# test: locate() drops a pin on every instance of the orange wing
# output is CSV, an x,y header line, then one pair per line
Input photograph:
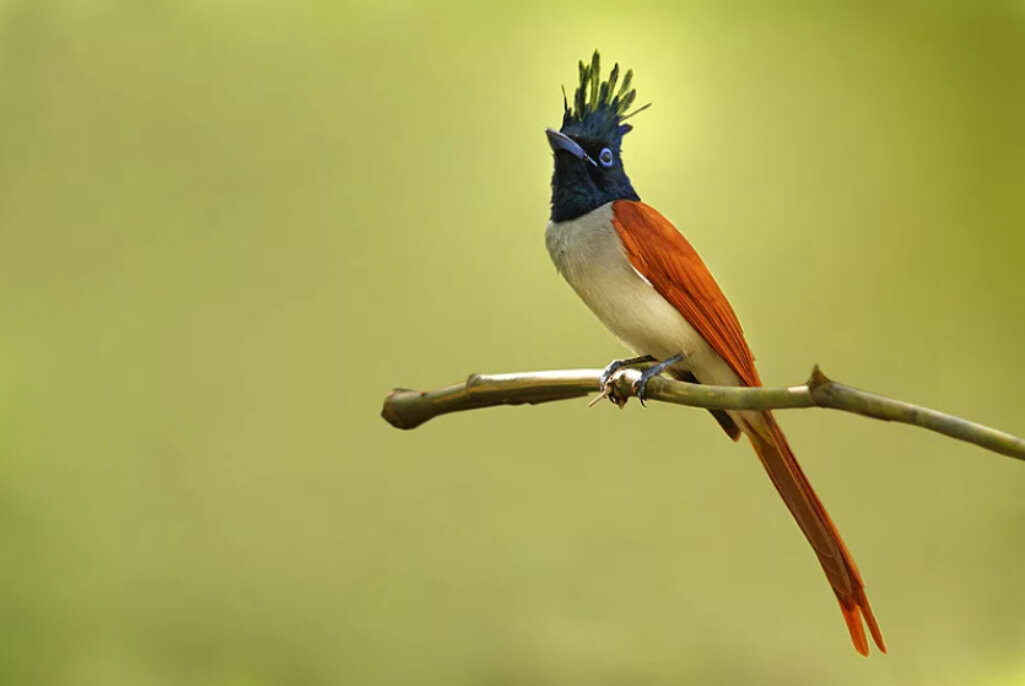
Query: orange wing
x,y
664,257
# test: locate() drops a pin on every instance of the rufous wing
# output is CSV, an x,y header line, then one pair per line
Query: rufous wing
x,y
664,257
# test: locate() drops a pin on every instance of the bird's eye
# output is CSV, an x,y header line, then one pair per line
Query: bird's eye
x,y
605,157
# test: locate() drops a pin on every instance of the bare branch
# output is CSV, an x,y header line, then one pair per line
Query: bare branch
x,y
408,409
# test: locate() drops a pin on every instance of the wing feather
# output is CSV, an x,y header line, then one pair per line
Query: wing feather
x,y
664,257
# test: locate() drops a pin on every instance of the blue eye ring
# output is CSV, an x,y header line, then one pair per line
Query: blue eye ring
x,y
605,157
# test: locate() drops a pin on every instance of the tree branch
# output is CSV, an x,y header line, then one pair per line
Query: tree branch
x,y
408,409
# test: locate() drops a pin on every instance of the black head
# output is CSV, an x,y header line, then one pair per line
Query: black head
x,y
588,167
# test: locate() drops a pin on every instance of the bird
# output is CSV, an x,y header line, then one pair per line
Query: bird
x,y
651,290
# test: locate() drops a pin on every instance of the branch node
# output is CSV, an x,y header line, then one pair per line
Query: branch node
x,y
818,378
620,389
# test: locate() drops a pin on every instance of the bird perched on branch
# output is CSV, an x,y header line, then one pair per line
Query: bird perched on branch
x,y
646,283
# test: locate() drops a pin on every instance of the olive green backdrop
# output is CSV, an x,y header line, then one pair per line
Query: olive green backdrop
x,y
228,228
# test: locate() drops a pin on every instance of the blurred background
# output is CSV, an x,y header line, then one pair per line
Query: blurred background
x,y
228,228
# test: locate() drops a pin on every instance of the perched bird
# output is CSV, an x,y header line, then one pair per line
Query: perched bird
x,y
646,283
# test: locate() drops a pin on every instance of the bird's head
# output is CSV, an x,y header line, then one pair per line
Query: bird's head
x,y
588,166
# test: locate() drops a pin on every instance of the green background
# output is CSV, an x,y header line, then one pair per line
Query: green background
x,y
227,228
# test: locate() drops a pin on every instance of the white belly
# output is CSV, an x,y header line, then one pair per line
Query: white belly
x,y
588,253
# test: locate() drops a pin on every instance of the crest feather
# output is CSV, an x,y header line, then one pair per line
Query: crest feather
x,y
598,108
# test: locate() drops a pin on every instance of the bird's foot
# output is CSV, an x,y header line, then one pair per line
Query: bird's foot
x,y
608,390
640,387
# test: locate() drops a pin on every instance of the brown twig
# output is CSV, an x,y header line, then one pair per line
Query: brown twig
x,y
408,409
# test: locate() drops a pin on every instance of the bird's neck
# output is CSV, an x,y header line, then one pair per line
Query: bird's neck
x,y
575,192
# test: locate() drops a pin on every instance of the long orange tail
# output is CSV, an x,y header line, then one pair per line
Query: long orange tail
x,y
779,461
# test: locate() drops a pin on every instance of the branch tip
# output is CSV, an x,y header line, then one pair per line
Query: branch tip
x,y
399,420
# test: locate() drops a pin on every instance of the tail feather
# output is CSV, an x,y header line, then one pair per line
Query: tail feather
x,y
789,479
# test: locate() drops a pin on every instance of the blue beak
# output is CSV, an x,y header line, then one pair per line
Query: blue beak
x,y
560,141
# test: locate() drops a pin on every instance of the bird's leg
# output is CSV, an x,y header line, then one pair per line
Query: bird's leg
x,y
640,386
612,368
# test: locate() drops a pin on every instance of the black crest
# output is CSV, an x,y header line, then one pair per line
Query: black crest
x,y
599,108
588,164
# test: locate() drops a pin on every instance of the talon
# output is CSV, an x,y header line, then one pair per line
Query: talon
x,y
640,389
616,399
607,388
616,365
640,386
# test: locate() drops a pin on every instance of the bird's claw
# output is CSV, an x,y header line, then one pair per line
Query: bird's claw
x,y
640,389
608,389
640,386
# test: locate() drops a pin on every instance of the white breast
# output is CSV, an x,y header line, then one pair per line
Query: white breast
x,y
588,253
